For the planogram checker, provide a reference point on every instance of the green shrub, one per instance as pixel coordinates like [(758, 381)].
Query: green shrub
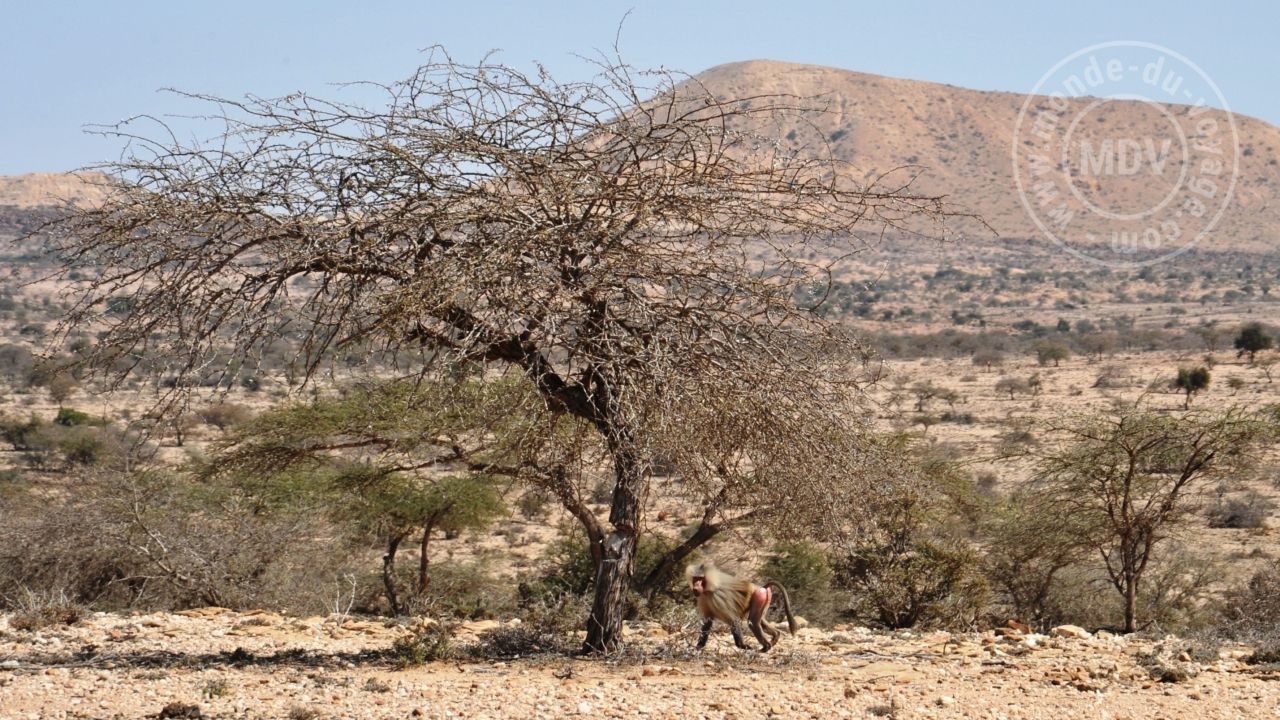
[(465, 591), (912, 560), (424, 644), (86, 446), (570, 570), (533, 503), (70, 417), (927, 582), (802, 568)]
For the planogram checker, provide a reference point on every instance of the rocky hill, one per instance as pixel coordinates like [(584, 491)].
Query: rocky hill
[(963, 141), (35, 190)]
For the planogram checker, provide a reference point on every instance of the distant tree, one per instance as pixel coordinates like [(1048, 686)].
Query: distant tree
[(924, 420), (988, 359), (1210, 336), (61, 387), (1036, 383), (16, 364), (181, 425), (1251, 340), (927, 390), (391, 506), (1095, 345), (1064, 325), (1191, 381), (1130, 473), (1012, 385), (1050, 351)]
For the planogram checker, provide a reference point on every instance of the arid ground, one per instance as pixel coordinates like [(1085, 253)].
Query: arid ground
[(214, 663)]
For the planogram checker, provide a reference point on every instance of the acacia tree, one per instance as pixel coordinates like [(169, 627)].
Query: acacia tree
[(1130, 475), (1191, 381), (631, 245), (391, 506), (1251, 340), (1026, 549)]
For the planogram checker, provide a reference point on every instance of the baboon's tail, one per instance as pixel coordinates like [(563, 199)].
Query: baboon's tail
[(786, 604)]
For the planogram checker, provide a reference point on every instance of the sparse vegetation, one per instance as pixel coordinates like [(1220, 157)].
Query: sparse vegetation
[(1191, 381), (1251, 340), (1129, 473), (424, 644), (300, 488)]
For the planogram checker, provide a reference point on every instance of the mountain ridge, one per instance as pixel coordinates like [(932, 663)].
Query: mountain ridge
[(46, 189), (963, 140), (960, 140)]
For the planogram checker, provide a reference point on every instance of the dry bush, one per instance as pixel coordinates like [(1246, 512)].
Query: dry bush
[(466, 591), (424, 644), (804, 570), (224, 415), (1251, 613), (162, 541), (541, 630), (1249, 511), (1172, 597), (35, 611)]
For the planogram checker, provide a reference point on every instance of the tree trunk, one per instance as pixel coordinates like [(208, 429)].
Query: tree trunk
[(389, 574), (1131, 606), (613, 579), (422, 558), (618, 551)]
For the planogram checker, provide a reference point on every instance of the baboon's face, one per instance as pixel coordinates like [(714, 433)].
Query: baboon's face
[(698, 583)]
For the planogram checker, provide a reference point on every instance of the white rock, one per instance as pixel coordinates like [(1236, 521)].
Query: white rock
[(1070, 631)]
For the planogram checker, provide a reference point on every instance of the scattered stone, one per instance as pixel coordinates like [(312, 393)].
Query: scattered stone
[(203, 612), (178, 710), (1018, 625), (480, 626), (1070, 631), (1168, 662)]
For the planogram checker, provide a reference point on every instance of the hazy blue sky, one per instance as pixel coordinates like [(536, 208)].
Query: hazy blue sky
[(67, 64)]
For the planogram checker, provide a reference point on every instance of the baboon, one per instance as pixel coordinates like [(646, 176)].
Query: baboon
[(729, 599)]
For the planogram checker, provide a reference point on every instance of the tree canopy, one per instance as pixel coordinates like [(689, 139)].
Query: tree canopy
[(1251, 340), (630, 245), (1130, 473)]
